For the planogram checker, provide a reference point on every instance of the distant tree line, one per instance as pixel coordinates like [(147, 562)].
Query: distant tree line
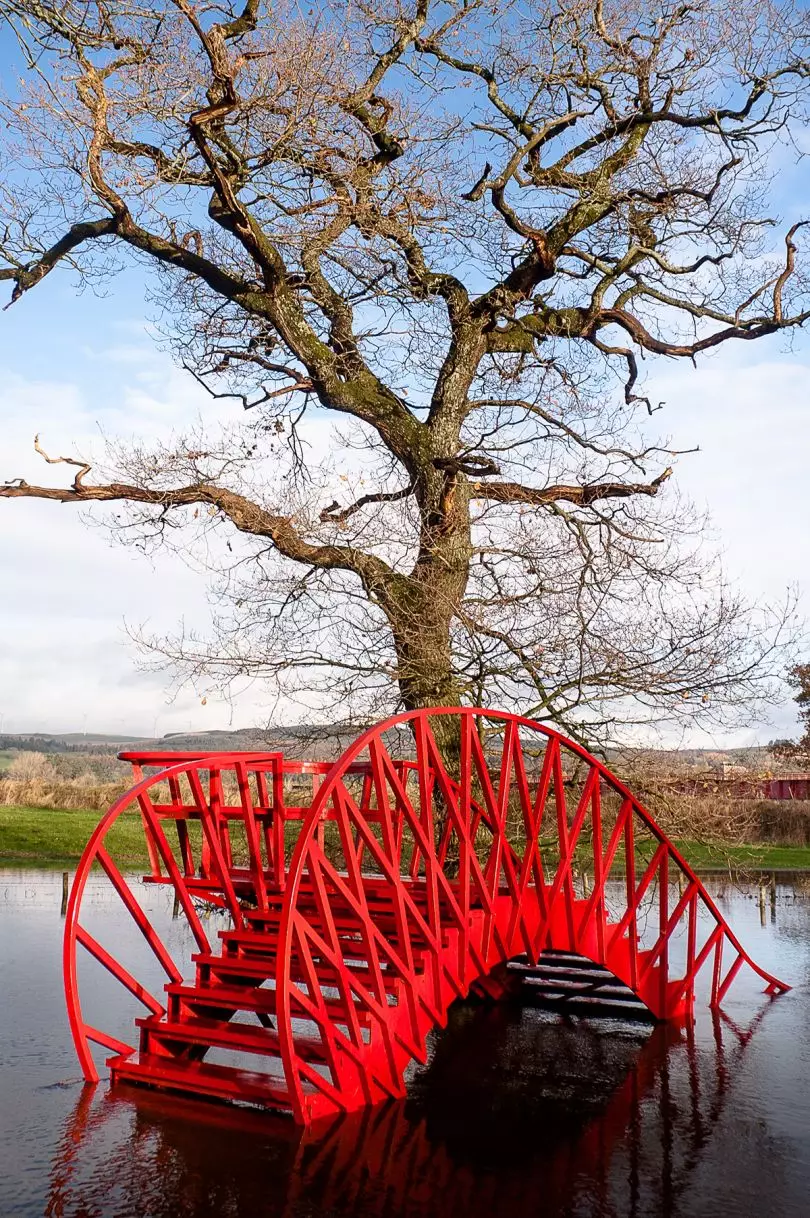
[(36, 743), (33, 744)]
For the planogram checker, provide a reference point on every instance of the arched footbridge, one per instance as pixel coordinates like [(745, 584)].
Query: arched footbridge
[(326, 916)]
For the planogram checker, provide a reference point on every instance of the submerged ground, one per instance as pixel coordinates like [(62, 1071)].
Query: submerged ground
[(517, 1113)]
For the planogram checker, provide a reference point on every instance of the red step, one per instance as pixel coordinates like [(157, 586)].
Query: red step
[(378, 897), (353, 945), (200, 1078), (243, 998), (222, 1034), (343, 919), (264, 969)]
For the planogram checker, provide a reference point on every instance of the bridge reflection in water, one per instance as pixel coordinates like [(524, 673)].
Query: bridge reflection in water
[(514, 1115)]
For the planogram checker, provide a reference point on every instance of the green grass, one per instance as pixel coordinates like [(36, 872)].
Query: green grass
[(706, 856), (6, 758), (54, 835), (758, 855), (47, 835)]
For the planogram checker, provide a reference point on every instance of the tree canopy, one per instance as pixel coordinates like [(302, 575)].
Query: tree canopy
[(456, 228)]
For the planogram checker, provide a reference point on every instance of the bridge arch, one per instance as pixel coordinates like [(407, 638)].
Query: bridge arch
[(409, 885)]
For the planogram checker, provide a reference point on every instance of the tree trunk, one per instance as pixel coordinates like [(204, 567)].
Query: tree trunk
[(420, 609), (421, 606), (427, 679)]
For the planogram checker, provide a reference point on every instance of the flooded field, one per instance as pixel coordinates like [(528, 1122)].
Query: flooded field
[(518, 1112)]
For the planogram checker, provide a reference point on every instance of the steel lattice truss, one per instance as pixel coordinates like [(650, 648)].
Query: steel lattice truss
[(354, 902)]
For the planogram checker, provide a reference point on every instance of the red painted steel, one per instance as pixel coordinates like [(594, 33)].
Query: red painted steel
[(410, 883)]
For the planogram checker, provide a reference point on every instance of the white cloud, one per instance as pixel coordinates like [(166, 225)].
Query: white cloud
[(66, 661), (752, 423)]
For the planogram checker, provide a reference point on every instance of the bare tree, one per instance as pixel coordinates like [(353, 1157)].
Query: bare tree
[(797, 752), (458, 228)]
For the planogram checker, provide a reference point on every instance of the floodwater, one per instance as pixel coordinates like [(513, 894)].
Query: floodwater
[(517, 1112)]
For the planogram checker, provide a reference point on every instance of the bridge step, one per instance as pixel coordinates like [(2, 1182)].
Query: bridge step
[(590, 1005), (575, 986), (351, 942), (220, 1034), (571, 960), (585, 976), (231, 998), (585, 972), (263, 968), (378, 896), (201, 1078), (200, 999), (572, 984)]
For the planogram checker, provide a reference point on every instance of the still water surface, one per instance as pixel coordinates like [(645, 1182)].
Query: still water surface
[(517, 1113)]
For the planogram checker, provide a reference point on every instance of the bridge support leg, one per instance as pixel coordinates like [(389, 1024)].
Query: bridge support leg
[(498, 985)]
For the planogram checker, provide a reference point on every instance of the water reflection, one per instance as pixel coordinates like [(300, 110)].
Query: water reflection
[(516, 1114), (601, 1122)]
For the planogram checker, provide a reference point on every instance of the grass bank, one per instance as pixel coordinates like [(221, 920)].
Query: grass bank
[(760, 855), (57, 835)]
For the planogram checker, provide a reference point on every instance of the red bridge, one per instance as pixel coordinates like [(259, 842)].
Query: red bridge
[(331, 913)]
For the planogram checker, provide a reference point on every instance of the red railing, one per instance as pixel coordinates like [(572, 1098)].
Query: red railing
[(426, 933)]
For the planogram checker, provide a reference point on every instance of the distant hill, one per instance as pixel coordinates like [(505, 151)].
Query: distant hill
[(319, 742), (93, 737), (752, 756), (315, 743), (324, 742), (68, 742)]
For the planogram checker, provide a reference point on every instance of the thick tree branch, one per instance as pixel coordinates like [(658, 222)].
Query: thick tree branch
[(582, 496), (246, 515), (28, 276), (754, 328), (335, 513)]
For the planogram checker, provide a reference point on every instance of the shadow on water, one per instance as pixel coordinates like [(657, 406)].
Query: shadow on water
[(515, 1114)]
